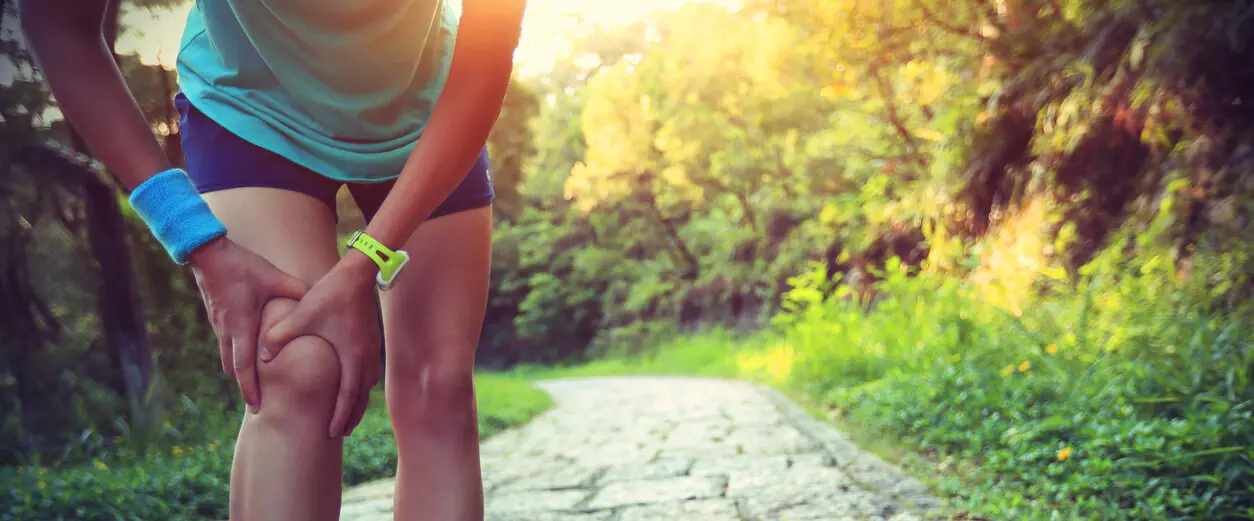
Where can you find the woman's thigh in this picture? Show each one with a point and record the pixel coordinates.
(293, 231)
(432, 317)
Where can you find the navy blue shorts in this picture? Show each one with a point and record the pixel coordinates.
(218, 160)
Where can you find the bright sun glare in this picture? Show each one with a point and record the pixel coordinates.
(548, 29)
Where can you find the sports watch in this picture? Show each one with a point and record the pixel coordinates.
(390, 261)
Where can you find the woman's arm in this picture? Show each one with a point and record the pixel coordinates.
(65, 37)
(67, 41)
(338, 308)
(459, 125)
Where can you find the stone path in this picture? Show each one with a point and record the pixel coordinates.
(645, 449)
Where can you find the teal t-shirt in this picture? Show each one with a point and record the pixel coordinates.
(342, 87)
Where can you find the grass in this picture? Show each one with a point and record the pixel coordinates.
(699, 355)
(506, 401)
(184, 482)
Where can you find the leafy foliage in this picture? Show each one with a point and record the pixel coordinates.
(189, 481)
(62, 375)
(689, 178)
(1117, 401)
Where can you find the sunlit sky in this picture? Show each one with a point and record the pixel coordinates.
(546, 29)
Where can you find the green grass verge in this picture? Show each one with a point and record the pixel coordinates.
(708, 354)
(506, 401)
(190, 482)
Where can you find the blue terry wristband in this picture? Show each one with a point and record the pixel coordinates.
(176, 213)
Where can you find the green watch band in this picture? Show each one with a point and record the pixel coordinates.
(390, 262)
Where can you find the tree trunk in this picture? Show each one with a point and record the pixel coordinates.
(694, 267)
(118, 300)
(121, 315)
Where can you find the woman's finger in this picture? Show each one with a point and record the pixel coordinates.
(346, 401)
(281, 334)
(224, 353)
(363, 404)
(244, 358)
(281, 284)
(371, 370)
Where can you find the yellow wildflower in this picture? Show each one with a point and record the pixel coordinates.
(101, 465)
(1051, 349)
(1008, 370)
(955, 359)
(1023, 368)
(177, 451)
(1064, 454)
(213, 445)
(43, 484)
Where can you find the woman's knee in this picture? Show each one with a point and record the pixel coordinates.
(299, 385)
(430, 396)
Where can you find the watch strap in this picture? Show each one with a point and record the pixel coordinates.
(389, 261)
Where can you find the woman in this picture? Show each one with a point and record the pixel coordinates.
(283, 102)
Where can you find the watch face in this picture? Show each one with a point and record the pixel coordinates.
(385, 284)
(400, 259)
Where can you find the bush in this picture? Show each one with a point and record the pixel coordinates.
(191, 482)
(1126, 400)
(186, 483)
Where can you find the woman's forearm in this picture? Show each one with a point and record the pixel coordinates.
(452, 141)
(460, 122)
(65, 37)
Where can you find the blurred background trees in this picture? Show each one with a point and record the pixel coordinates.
(697, 170)
(90, 302)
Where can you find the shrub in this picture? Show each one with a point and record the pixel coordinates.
(191, 482)
(1128, 399)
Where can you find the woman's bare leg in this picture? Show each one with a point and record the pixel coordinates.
(432, 320)
(285, 467)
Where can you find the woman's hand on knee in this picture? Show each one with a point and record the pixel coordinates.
(342, 310)
(300, 385)
(236, 284)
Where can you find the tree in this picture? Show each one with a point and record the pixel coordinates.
(59, 209)
(511, 143)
